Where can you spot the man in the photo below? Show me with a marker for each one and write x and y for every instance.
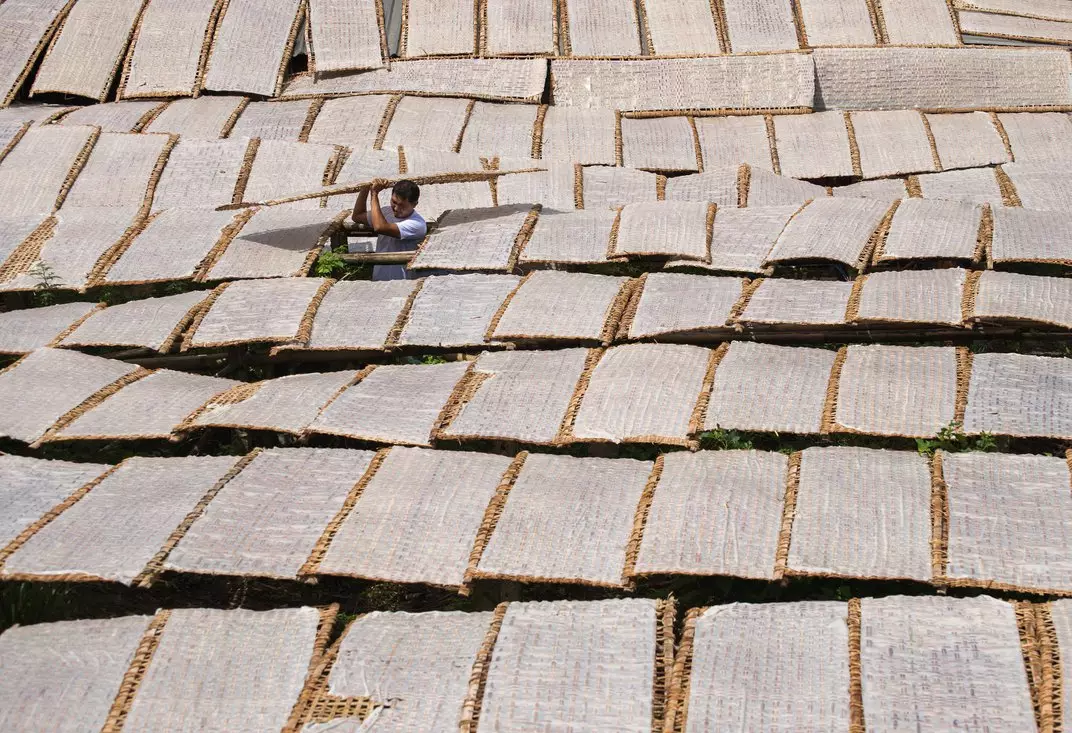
(399, 226)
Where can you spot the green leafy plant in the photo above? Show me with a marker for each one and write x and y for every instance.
(951, 439)
(433, 359)
(47, 281)
(722, 439)
(328, 263)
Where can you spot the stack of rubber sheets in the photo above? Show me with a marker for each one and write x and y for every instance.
(183, 669)
(1027, 79)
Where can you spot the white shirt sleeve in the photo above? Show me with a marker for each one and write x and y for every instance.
(411, 229)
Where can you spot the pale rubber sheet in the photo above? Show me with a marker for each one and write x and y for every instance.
(730, 141)
(905, 78)
(567, 519)
(776, 667)
(1017, 394)
(455, 310)
(360, 314)
(22, 331)
(29, 487)
(642, 392)
(788, 302)
(1008, 520)
(149, 323)
(257, 310)
(588, 665)
(740, 495)
(172, 246)
(523, 396)
(923, 230)
(897, 390)
(235, 670)
(744, 82)
(568, 306)
(418, 663)
(396, 403)
(252, 44)
(152, 407)
(769, 388)
(862, 513)
(912, 654)
(117, 529)
(676, 303)
(36, 693)
(47, 384)
(913, 296)
(267, 520)
(286, 404)
(417, 519)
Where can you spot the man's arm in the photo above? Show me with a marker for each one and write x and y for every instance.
(374, 217)
(361, 207)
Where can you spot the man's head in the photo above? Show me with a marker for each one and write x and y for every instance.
(404, 197)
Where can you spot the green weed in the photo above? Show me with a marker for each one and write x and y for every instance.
(951, 439)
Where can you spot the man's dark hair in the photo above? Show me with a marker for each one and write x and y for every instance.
(408, 190)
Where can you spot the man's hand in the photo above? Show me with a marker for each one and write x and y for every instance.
(378, 184)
